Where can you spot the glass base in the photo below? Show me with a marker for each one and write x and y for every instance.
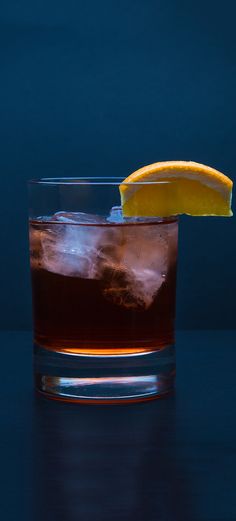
(104, 379)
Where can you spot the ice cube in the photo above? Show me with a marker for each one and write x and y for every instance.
(35, 247)
(72, 246)
(144, 264)
(71, 250)
(115, 215)
(78, 218)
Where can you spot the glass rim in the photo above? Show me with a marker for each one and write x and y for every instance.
(94, 181)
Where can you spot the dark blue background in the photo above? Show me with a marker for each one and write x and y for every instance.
(101, 88)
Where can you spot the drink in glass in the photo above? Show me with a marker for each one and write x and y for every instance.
(103, 294)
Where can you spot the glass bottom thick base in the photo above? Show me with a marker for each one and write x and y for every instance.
(104, 379)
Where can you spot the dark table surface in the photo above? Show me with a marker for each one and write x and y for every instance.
(172, 459)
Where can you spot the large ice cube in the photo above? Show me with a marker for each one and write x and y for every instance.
(77, 250)
(144, 264)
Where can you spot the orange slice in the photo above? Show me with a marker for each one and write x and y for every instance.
(176, 187)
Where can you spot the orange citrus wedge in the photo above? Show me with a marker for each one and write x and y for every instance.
(176, 187)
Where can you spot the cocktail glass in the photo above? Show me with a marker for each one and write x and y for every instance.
(103, 291)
